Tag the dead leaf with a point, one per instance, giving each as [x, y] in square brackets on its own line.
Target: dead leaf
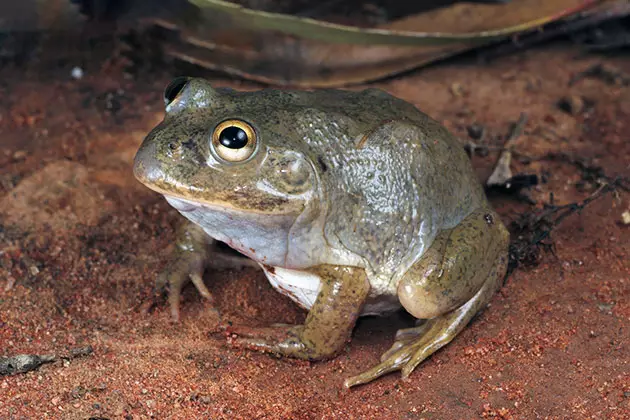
[289, 50]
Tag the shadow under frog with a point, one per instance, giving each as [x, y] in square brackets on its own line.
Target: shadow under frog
[353, 203]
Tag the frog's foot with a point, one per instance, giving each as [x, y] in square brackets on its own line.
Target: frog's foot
[175, 276]
[413, 345]
[190, 265]
[407, 352]
[194, 253]
[279, 339]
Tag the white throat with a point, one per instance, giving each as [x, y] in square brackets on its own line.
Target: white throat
[261, 237]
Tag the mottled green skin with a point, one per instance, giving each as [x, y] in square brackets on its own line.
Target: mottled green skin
[360, 188]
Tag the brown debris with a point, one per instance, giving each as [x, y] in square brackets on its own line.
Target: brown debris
[532, 231]
[605, 72]
[23, 363]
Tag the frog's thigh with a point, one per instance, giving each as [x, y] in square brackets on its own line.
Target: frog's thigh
[455, 267]
[329, 322]
[331, 319]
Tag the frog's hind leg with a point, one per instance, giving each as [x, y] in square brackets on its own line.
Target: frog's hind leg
[443, 292]
[416, 344]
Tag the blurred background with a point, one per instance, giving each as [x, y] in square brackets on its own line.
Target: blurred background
[537, 92]
[299, 42]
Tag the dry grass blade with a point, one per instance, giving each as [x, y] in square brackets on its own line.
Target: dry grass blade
[502, 172]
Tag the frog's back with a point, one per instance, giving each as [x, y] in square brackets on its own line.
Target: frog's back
[363, 107]
[394, 176]
[373, 143]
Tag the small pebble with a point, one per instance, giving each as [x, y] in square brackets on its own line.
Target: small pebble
[9, 284]
[19, 155]
[457, 90]
[77, 73]
[476, 131]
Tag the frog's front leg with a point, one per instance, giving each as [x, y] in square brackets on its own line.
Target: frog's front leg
[194, 252]
[451, 282]
[329, 322]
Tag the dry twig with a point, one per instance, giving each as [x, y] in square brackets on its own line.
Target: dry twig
[531, 231]
[23, 363]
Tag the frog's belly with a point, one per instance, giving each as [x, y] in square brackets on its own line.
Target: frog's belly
[303, 287]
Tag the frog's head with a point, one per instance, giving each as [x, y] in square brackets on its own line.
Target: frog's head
[226, 149]
[231, 162]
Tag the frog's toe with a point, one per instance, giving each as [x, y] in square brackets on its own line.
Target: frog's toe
[436, 335]
[282, 340]
[170, 284]
[197, 280]
[394, 362]
[405, 336]
[239, 334]
[414, 346]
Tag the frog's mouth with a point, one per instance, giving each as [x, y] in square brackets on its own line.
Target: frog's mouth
[186, 206]
[182, 205]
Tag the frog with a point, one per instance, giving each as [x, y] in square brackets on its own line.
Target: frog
[352, 202]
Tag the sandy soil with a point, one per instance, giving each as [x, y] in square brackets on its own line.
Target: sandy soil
[81, 242]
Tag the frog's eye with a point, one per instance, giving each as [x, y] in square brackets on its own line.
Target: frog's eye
[234, 140]
[174, 88]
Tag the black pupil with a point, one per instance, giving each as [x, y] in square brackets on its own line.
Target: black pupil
[233, 137]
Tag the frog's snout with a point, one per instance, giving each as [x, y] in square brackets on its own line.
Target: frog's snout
[145, 168]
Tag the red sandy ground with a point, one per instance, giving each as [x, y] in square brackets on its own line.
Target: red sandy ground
[82, 241]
